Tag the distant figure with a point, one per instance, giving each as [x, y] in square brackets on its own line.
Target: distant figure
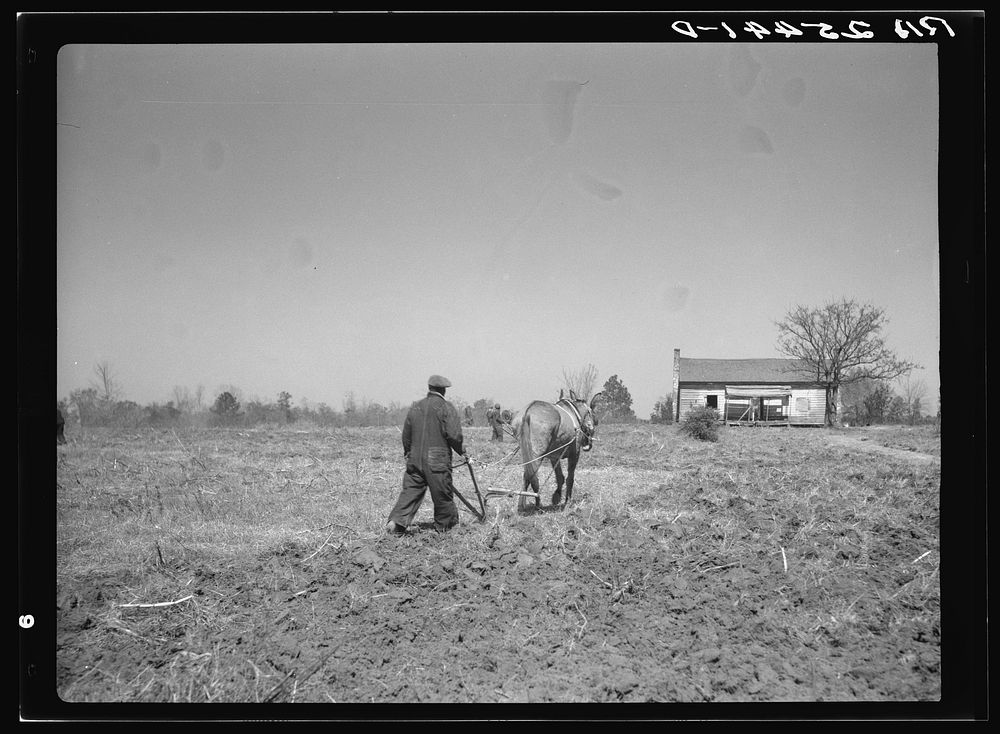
[493, 418]
[506, 416]
[468, 415]
[431, 432]
[60, 425]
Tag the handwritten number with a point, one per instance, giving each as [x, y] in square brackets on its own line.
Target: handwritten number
[824, 29]
[677, 25]
[853, 31]
[785, 29]
[756, 28]
[856, 29]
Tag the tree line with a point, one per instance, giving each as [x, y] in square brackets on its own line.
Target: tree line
[103, 405]
[89, 407]
[841, 344]
[874, 402]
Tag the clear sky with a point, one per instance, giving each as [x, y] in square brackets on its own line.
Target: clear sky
[325, 219]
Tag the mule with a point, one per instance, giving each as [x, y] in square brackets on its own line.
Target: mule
[553, 432]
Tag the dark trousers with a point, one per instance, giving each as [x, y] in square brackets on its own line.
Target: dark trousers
[415, 483]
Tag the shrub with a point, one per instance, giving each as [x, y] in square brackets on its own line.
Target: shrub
[157, 415]
[226, 410]
[702, 423]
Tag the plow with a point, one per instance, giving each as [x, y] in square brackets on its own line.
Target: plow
[480, 513]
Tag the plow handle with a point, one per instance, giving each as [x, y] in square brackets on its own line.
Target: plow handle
[481, 513]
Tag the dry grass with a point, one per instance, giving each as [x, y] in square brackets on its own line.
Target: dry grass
[827, 543]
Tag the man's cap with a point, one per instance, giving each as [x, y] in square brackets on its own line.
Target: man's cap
[438, 381]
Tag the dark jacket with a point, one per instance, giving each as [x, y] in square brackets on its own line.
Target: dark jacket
[431, 432]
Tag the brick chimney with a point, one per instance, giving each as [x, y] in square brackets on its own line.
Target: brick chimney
[677, 379]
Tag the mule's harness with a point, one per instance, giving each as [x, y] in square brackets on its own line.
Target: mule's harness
[574, 415]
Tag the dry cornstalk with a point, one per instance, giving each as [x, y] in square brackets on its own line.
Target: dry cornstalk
[584, 625]
[160, 604]
[185, 448]
[319, 664]
[320, 548]
[126, 630]
[619, 594]
[601, 580]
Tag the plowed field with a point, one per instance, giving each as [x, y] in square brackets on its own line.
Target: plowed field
[251, 566]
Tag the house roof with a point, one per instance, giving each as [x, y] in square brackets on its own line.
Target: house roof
[756, 371]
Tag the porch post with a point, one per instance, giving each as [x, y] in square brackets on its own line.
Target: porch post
[676, 385]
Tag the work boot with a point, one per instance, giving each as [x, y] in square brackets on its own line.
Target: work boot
[394, 528]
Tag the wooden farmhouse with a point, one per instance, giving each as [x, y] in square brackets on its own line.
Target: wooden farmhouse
[755, 392]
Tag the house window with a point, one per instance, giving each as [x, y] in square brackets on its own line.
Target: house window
[712, 401]
[802, 405]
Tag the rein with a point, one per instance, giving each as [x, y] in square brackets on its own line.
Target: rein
[501, 461]
[560, 448]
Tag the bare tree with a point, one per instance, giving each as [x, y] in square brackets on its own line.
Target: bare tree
[182, 398]
[914, 390]
[350, 405]
[107, 387]
[840, 343]
[582, 382]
